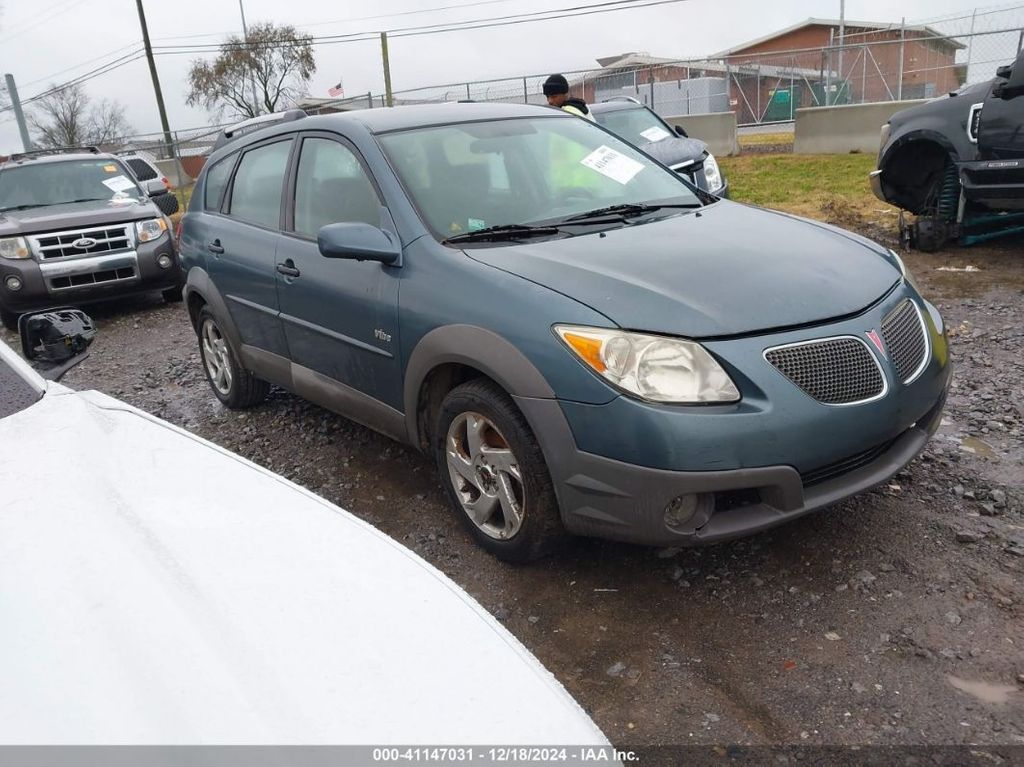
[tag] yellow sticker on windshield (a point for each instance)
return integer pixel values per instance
(110, 168)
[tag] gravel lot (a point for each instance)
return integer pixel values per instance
(895, 618)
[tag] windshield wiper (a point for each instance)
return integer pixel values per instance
(504, 232)
(628, 210)
(27, 206)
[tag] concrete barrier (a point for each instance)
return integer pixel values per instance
(717, 130)
(843, 129)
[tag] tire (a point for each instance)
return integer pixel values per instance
(8, 320)
(490, 463)
(172, 295)
(232, 384)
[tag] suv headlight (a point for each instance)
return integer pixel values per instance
(654, 368)
(14, 247)
(150, 229)
(712, 173)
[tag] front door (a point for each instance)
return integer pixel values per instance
(340, 316)
(997, 177)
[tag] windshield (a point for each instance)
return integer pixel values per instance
(637, 126)
(52, 183)
(473, 176)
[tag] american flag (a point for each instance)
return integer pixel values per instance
(336, 90)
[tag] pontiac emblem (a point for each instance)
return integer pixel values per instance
(877, 341)
(83, 243)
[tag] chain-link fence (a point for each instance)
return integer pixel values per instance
(862, 63)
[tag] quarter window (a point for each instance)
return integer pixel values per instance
(259, 180)
(216, 181)
(332, 187)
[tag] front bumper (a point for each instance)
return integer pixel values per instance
(875, 177)
(77, 281)
(775, 456)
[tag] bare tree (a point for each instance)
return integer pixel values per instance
(68, 117)
(256, 75)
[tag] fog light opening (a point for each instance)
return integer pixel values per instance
(13, 283)
(164, 261)
(685, 513)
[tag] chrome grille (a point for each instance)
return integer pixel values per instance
(98, 240)
(905, 340)
(835, 371)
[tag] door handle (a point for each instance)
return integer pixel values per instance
(215, 247)
(288, 269)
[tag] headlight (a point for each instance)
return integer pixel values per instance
(712, 173)
(14, 247)
(654, 368)
(150, 229)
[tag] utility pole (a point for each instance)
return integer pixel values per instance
(156, 80)
(19, 116)
(252, 77)
(387, 68)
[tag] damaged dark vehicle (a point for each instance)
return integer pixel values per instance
(957, 163)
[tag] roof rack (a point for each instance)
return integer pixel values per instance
(33, 153)
(238, 130)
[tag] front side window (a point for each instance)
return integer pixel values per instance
(39, 183)
(331, 187)
(259, 182)
(470, 176)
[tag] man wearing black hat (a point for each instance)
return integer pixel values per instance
(556, 88)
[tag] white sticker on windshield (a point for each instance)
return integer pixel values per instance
(612, 164)
(119, 184)
(655, 134)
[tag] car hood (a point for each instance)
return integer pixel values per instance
(733, 269)
(160, 590)
(674, 151)
(74, 215)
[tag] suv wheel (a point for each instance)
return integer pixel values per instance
(495, 474)
(235, 386)
(8, 320)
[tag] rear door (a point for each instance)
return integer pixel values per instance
(243, 243)
(340, 316)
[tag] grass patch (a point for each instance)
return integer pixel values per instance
(765, 139)
(831, 188)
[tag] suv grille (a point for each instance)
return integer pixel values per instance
(835, 371)
(113, 239)
(904, 336)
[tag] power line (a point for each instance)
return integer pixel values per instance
(50, 77)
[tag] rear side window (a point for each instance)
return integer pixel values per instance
(259, 181)
(141, 169)
(216, 181)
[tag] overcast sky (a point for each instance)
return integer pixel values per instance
(40, 39)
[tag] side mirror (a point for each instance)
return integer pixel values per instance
(154, 187)
(680, 131)
(360, 242)
(1014, 85)
(56, 340)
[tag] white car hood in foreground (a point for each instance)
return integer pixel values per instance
(155, 589)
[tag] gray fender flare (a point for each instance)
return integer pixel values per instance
(474, 347)
(199, 283)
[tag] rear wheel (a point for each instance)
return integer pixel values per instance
(233, 385)
(494, 473)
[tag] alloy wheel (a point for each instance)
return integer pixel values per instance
(217, 357)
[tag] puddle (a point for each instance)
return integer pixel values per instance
(987, 692)
(978, 447)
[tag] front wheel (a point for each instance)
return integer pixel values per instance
(235, 386)
(494, 473)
